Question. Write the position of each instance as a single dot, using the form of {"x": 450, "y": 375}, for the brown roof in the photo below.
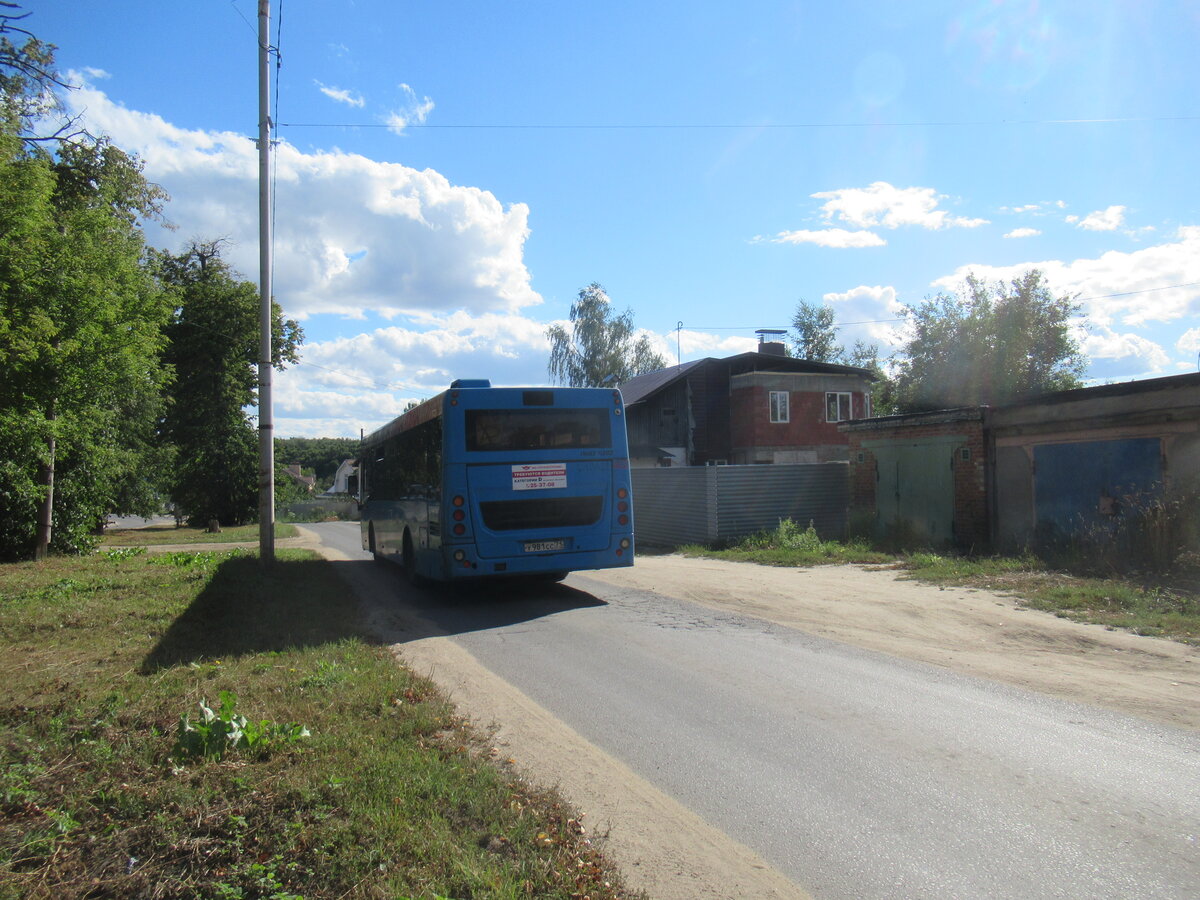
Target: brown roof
{"x": 641, "y": 387}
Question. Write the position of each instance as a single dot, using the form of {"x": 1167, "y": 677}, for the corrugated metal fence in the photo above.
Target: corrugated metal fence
{"x": 707, "y": 504}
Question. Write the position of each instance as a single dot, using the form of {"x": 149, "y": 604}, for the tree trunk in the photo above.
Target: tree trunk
{"x": 45, "y": 522}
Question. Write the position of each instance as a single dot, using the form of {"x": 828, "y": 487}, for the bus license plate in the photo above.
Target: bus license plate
{"x": 544, "y": 546}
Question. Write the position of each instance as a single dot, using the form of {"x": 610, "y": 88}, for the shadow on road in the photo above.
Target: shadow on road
{"x": 397, "y": 612}
{"x": 305, "y": 603}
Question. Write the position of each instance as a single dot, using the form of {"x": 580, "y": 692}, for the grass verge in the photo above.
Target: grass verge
{"x": 321, "y": 769}
{"x": 1154, "y": 607}
{"x": 791, "y": 545}
{"x": 169, "y": 534}
{"x": 1162, "y": 607}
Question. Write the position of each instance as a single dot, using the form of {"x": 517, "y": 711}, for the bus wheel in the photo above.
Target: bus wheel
{"x": 410, "y": 563}
{"x": 371, "y": 543}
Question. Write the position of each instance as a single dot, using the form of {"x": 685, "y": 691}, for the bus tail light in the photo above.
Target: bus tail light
{"x": 459, "y": 515}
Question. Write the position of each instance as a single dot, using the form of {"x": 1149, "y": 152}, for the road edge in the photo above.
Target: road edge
{"x": 660, "y": 846}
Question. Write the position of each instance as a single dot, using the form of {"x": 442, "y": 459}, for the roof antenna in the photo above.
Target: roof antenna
{"x": 678, "y": 352}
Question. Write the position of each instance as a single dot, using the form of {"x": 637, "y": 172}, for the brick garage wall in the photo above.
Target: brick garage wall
{"x": 971, "y": 522}
{"x": 971, "y": 525}
{"x": 862, "y": 484}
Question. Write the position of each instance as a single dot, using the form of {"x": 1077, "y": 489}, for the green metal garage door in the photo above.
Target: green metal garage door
{"x": 914, "y": 494}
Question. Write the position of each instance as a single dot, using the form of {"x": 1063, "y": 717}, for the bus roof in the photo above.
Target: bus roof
{"x": 430, "y": 409}
{"x": 423, "y": 412}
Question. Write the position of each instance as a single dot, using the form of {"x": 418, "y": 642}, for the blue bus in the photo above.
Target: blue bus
{"x": 483, "y": 481}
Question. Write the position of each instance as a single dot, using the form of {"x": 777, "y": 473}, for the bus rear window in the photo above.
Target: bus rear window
{"x": 537, "y": 429}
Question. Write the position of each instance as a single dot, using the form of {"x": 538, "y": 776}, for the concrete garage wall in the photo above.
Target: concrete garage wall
{"x": 1059, "y": 455}
{"x": 707, "y": 504}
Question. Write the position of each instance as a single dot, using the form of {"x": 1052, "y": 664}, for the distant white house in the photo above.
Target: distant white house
{"x": 341, "y": 478}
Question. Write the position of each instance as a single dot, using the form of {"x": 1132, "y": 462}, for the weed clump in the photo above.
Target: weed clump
{"x": 223, "y": 730}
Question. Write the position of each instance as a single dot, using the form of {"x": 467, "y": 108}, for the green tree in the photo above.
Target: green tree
{"x": 816, "y": 339}
{"x": 213, "y": 350}
{"x": 988, "y": 345}
{"x": 883, "y": 390}
{"x": 599, "y": 347}
{"x": 80, "y": 323}
{"x": 29, "y": 83}
{"x": 816, "y": 334}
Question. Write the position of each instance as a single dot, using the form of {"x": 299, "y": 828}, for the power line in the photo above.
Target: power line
{"x": 1165, "y": 287}
{"x": 242, "y": 16}
{"x": 726, "y": 126}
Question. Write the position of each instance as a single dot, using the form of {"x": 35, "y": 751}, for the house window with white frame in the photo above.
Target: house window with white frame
{"x": 779, "y": 406}
{"x": 838, "y": 406}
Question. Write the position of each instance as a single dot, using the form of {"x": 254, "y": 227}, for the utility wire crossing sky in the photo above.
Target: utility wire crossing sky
{"x": 449, "y": 175}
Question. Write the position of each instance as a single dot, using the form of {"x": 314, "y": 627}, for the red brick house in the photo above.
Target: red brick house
{"x": 753, "y": 408}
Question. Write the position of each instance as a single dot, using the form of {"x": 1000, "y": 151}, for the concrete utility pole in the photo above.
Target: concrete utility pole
{"x": 266, "y": 416}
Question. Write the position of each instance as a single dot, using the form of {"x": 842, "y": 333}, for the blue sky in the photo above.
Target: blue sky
{"x": 450, "y": 174}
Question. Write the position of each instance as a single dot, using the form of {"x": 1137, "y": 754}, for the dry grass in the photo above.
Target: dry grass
{"x": 169, "y": 534}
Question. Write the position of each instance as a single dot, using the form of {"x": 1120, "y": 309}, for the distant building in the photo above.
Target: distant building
{"x": 308, "y": 482}
{"x": 753, "y": 408}
{"x": 344, "y": 478}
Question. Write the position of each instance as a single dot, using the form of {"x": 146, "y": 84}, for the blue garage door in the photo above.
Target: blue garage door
{"x": 1077, "y": 485}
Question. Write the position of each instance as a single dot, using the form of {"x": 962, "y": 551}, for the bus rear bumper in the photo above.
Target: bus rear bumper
{"x": 464, "y": 562}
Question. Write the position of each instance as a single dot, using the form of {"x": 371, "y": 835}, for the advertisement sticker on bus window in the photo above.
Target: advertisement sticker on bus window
{"x": 539, "y": 477}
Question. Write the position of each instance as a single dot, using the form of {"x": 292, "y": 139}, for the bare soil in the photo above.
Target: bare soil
{"x": 981, "y": 633}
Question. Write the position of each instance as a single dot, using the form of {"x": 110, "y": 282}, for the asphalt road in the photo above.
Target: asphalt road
{"x": 856, "y": 774}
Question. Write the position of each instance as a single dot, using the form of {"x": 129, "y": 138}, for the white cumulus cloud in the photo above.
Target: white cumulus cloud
{"x": 1023, "y": 233}
{"x": 1153, "y": 284}
{"x": 830, "y": 237}
{"x": 1106, "y": 344}
{"x": 1189, "y": 341}
{"x": 868, "y": 313}
{"x": 365, "y": 380}
{"x": 881, "y": 205}
{"x": 1102, "y": 220}
{"x": 693, "y": 344}
{"x": 352, "y": 235}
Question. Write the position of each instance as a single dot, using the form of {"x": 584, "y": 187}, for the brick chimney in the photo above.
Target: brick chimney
{"x": 771, "y": 347}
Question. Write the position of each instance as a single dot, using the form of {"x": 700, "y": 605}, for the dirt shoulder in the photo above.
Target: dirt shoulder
{"x": 222, "y": 546}
{"x": 977, "y": 632}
